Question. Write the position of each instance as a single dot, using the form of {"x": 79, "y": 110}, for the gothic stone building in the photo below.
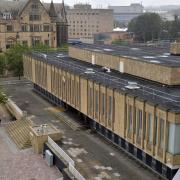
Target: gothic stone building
{"x": 30, "y": 22}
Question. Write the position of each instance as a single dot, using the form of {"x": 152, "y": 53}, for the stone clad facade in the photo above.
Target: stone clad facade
{"x": 84, "y": 21}
{"x": 29, "y": 22}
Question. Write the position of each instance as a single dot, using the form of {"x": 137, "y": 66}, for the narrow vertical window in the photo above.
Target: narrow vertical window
{"x": 129, "y": 118}
{"x": 139, "y": 123}
{"x": 110, "y": 113}
{"x": 96, "y": 103}
{"x": 144, "y": 126}
{"x": 150, "y": 128}
{"x": 103, "y": 104}
{"x": 156, "y": 130}
{"x": 162, "y": 133}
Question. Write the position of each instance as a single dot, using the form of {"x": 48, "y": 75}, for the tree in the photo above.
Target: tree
{"x": 175, "y": 27}
{"x": 2, "y": 64}
{"x": 3, "y": 97}
{"x": 146, "y": 27}
{"x": 15, "y": 59}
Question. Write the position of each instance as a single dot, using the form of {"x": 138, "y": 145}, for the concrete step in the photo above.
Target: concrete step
{"x": 69, "y": 121}
{"x": 19, "y": 133}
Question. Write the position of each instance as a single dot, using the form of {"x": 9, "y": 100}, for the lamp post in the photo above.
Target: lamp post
{"x": 17, "y": 37}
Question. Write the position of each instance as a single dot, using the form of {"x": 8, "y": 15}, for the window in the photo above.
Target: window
{"x": 24, "y": 27}
{"x": 90, "y": 102}
{"x": 139, "y": 123}
{"x": 24, "y": 42}
{"x": 129, "y": 115}
{"x": 110, "y": 113}
{"x": 35, "y": 6}
{"x": 34, "y": 17}
{"x": 46, "y": 28}
{"x": 97, "y": 103}
{"x": 46, "y": 42}
{"x": 156, "y": 129}
{"x": 35, "y": 40}
{"x": 9, "y": 44}
{"x": 9, "y": 28}
{"x": 7, "y": 15}
{"x": 162, "y": 133}
{"x": 150, "y": 128}
{"x": 103, "y": 103}
{"x": 144, "y": 126}
{"x": 37, "y": 28}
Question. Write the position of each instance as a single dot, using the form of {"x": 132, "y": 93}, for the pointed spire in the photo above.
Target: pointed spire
{"x": 63, "y": 12}
{"x": 52, "y": 11}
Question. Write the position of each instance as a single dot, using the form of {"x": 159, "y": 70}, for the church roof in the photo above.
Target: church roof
{"x": 55, "y": 10}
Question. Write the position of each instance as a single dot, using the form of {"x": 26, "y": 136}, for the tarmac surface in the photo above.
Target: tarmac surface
{"x": 95, "y": 158}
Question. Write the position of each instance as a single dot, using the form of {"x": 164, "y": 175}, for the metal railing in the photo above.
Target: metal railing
{"x": 71, "y": 164}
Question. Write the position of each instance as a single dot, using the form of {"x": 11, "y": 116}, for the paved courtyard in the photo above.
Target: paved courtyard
{"x": 95, "y": 158}
{"x": 18, "y": 164}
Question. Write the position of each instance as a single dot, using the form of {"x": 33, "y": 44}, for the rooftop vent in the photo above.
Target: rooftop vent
{"x": 132, "y": 85}
{"x": 89, "y": 71}
{"x": 135, "y": 49}
{"x": 60, "y": 56}
{"x": 109, "y": 50}
{"x": 97, "y": 50}
{"x": 166, "y": 54}
{"x": 148, "y": 57}
{"x": 155, "y": 61}
{"x": 162, "y": 56}
{"x": 106, "y": 69}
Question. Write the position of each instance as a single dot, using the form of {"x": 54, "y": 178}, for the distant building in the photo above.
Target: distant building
{"x": 30, "y": 22}
{"x": 84, "y": 21}
{"x": 124, "y": 14}
{"x": 113, "y": 37}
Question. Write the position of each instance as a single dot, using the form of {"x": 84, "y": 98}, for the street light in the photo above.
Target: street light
{"x": 17, "y": 36}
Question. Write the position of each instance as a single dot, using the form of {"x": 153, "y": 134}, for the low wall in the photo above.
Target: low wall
{"x": 14, "y": 109}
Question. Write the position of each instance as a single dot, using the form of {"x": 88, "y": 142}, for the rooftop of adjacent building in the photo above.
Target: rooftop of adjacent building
{"x": 132, "y": 8}
{"x": 157, "y": 94}
{"x": 151, "y": 53}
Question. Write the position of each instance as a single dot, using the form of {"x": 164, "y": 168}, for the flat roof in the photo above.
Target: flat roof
{"x": 167, "y": 97}
{"x": 152, "y": 53}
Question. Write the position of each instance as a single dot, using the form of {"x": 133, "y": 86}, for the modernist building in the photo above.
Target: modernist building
{"x": 84, "y": 21}
{"x": 29, "y": 22}
{"x": 124, "y": 14}
{"x": 128, "y": 94}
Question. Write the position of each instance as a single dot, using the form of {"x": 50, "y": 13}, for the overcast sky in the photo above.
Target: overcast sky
{"x": 104, "y": 3}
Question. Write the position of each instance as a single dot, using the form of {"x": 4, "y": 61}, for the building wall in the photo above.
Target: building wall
{"x": 155, "y": 72}
{"x": 84, "y": 21}
{"x": 145, "y": 125}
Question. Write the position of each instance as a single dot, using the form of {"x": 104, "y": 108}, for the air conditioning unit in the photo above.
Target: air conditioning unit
{"x": 49, "y": 158}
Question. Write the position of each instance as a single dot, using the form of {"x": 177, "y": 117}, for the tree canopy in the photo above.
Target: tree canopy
{"x": 15, "y": 59}
{"x": 3, "y": 64}
{"x": 146, "y": 27}
{"x": 150, "y": 26}
{"x": 3, "y": 97}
